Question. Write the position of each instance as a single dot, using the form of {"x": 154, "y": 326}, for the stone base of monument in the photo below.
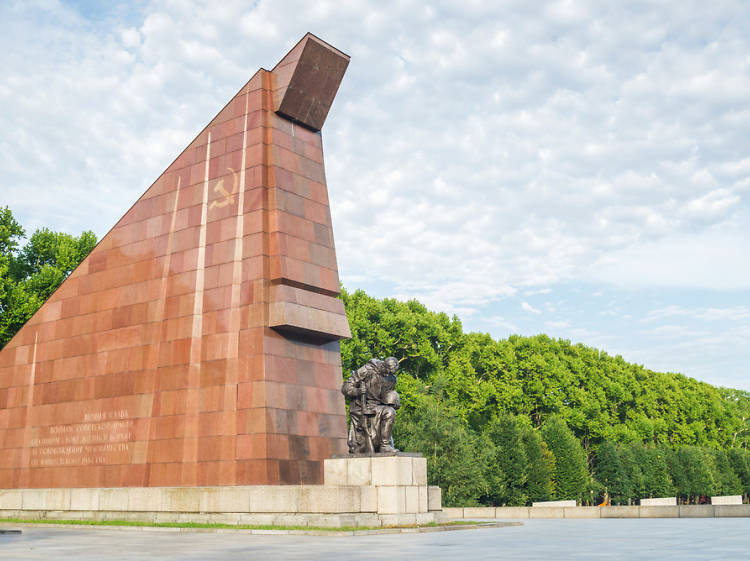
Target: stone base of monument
{"x": 358, "y": 491}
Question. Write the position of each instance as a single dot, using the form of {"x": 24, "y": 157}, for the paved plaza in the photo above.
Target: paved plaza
{"x": 663, "y": 539}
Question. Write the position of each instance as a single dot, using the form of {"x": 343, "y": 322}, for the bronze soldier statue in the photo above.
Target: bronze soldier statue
{"x": 372, "y": 410}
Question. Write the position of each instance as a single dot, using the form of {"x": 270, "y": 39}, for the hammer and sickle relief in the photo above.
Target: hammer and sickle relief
{"x": 227, "y": 197}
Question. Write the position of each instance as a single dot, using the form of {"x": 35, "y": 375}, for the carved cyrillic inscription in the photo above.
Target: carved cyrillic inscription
{"x": 93, "y": 441}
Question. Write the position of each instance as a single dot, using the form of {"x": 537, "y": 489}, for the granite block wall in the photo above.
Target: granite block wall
{"x": 198, "y": 343}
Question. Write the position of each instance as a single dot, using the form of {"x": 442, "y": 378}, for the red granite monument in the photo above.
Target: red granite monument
{"x": 197, "y": 345}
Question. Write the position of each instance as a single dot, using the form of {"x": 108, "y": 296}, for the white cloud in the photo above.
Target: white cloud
{"x": 501, "y": 323}
{"x": 526, "y": 307}
{"x": 474, "y": 150}
{"x": 712, "y": 205}
{"x": 130, "y": 37}
{"x": 716, "y": 258}
{"x": 733, "y": 314}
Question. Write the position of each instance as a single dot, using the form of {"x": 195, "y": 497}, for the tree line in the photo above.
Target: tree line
{"x": 501, "y": 422}
{"x": 523, "y": 419}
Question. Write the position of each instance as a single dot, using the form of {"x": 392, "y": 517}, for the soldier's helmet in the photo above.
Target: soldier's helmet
{"x": 391, "y": 398}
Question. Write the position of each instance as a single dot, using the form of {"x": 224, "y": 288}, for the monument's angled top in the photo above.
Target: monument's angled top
{"x": 317, "y": 39}
{"x": 307, "y": 80}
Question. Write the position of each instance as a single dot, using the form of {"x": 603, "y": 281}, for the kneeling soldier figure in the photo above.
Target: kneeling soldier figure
{"x": 374, "y": 401}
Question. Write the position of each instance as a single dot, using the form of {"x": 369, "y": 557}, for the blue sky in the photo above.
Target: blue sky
{"x": 574, "y": 168}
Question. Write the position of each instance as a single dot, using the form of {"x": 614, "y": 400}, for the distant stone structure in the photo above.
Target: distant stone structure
{"x": 727, "y": 500}
{"x": 659, "y": 501}
{"x": 555, "y": 504}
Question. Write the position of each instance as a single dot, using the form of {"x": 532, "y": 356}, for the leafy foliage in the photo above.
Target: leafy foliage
{"x": 30, "y": 274}
{"x": 571, "y": 475}
{"x": 727, "y": 481}
{"x": 457, "y": 459}
{"x": 611, "y": 473}
{"x": 661, "y": 428}
{"x": 691, "y": 472}
{"x": 540, "y": 479}
{"x": 510, "y": 465}
{"x": 10, "y": 232}
{"x": 739, "y": 460}
{"x": 599, "y": 397}
{"x": 657, "y": 481}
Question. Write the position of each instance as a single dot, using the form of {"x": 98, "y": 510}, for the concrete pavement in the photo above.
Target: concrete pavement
{"x": 660, "y": 539}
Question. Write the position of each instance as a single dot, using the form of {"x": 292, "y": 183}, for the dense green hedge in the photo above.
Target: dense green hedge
{"x": 533, "y": 418}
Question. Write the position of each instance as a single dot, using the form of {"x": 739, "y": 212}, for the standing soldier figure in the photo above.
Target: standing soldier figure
{"x": 374, "y": 401}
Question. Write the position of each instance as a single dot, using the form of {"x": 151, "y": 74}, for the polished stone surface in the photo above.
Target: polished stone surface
{"x": 307, "y": 81}
{"x": 198, "y": 343}
{"x": 542, "y": 540}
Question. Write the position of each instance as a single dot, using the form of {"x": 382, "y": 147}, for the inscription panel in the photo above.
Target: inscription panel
{"x": 99, "y": 439}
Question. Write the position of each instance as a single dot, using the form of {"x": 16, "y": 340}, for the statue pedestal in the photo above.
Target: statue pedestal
{"x": 395, "y": 483}
{"x": 380, "y": 490}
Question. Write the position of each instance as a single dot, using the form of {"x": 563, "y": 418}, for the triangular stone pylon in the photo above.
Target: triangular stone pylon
{"x": 198, "y": 343}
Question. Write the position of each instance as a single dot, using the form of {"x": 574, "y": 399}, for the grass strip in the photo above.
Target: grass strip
{"x": 201, "y": 525}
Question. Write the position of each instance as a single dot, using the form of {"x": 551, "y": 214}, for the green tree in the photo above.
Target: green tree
{"x": 18, "y": 305}
{"x": 457, "y": 458}
{"x": 571, "y": 474}
{"x": 656, "y": 479}
{"x": 14, "y": 302}
{"x": 29, "y": 275}
{"x": 508, "y": 470}
{"x": 727, "y": 481}
{"x": 739, "y": 422}
{"x": 540, "y": 479}
{"x": 633, "y": 470}
{"x": 611, "y": 474}
{"x": 739, "y": 459}
{"x": 420, "y": 339}
{"x": 691, "y": 471}
{"x": 48, "y": 258}
{"x": 10, "y": 233}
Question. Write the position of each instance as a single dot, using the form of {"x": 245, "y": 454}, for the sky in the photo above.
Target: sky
{"x": 580, "y": 169}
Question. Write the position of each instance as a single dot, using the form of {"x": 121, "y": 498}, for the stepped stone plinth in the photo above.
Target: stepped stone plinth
{"x": 358, "y": 491}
